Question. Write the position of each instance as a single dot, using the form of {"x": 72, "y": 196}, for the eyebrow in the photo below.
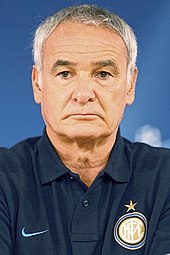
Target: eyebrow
{"x": 102, "y": 63}
{"x": 107, "y": 62}
{"x": 61, "y": 62}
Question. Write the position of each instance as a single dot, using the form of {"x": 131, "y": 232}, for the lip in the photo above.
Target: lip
{"x": 83, "y": 116}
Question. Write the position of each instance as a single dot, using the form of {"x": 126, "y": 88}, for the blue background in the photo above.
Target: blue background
{"x": 20, "y": 117}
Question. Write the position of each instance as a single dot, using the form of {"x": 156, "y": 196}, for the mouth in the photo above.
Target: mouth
{"x": 83, "y": 116}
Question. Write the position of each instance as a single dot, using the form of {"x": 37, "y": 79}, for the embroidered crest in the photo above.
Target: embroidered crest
{"x": 130, "y": 230}
{"x": 131, "y": 206}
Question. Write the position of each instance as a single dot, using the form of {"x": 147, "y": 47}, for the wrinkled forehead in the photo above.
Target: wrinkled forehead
{"x": 78, "y": 37}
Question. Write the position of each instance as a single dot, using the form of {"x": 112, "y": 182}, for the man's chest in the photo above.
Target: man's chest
{"x": 109, "y": 218}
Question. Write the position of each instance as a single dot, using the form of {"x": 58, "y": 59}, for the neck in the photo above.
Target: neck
{"x": 86, "y": 159}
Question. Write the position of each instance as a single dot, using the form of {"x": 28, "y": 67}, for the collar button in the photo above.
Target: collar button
{"x": 85, "y": 203}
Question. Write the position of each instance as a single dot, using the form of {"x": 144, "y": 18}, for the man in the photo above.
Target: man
{"x": 82, "y": 189}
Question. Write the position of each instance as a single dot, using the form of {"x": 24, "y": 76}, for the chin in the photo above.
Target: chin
{"x": 81, "y": 133}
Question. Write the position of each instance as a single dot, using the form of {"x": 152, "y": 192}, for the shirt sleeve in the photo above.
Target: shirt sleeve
{"x": 161, "y": 240}
{"x": 5, "y": 235}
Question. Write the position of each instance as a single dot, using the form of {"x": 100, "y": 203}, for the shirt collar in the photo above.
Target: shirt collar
{"x": 51, "y": 167}
{"x": 119, "y": 164}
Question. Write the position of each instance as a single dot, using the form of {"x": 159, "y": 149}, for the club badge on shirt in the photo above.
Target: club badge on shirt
{"x": 131, "y": 228}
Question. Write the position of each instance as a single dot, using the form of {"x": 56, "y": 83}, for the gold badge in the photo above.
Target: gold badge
{"x": 130, "y": 230}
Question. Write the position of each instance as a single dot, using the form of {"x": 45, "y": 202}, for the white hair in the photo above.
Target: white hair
{"x": 90, "y": 15}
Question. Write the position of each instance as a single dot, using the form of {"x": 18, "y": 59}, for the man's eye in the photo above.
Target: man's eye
{"x": 103, "y": 75}
{"x": 64, "y": 74}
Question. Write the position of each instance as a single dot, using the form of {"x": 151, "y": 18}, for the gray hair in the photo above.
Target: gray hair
{"x": 90, "y": 15}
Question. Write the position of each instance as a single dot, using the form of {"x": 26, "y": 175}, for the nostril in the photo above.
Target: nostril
{"x": 75, "y": 99}
{"x": 83, "y": 95}
{"x": 83, "y": 100}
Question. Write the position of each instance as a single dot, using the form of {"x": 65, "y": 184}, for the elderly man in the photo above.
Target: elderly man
{"x": 82, "y": 189}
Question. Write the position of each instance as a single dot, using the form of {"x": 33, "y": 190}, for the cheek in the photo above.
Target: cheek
{"x": 53, "y": 100}
{"x": 48, "y": 102}
{"x": 116, "y": 97}
{"x": 115, "y": 106}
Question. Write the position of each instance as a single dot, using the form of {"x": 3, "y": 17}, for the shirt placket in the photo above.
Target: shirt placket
{"x": 85, "y": 222}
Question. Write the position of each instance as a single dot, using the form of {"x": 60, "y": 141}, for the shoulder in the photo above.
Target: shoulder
{"x": 144, "y": 157}
{"x": 18, "y": 154}
{"x": 143, "y": 149}
{"x": 147, "y": 152}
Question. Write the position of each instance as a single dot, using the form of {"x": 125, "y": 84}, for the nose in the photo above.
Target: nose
{"x": 83, "y": 92}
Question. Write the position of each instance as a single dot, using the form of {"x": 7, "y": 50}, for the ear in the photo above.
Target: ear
{"x": 131, "y": 86}
{"x": 36, "y": 86}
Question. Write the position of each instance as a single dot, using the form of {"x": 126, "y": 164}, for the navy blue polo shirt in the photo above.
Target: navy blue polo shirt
{"x": 45, "y": 209}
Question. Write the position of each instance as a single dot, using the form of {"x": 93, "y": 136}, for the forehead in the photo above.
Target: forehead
{"x": 77, "y": 38}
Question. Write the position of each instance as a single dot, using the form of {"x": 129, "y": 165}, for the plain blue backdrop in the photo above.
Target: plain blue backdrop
{"x": 150, "y": 19}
